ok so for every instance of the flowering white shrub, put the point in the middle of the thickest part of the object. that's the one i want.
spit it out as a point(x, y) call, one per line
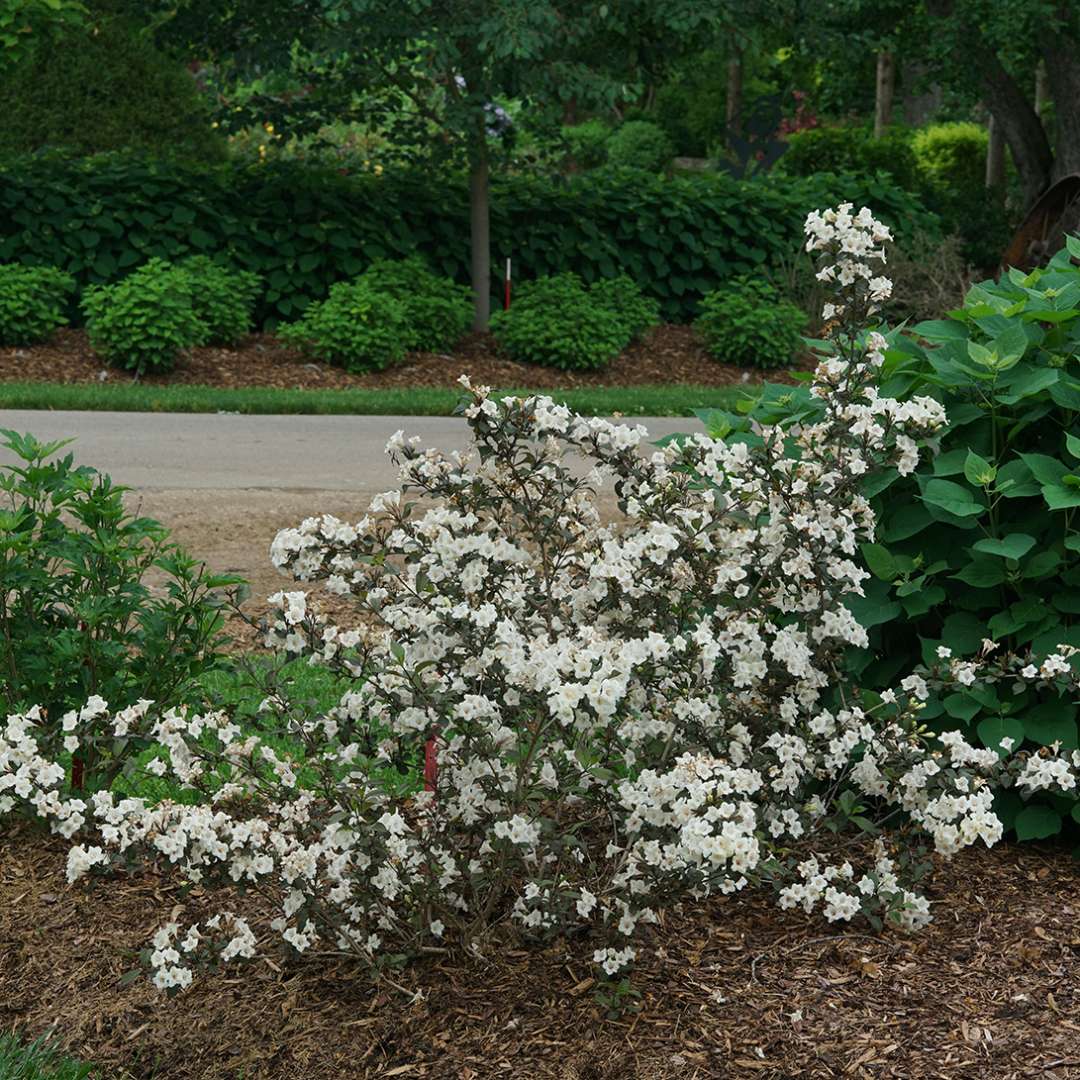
point(557, 721)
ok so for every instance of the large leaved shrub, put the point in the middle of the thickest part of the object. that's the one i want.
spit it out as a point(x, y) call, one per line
point(980, 543)
point(33, 302)
point(303, 229)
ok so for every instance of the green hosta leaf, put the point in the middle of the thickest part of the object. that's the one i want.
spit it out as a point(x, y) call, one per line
point(978, 470)
point(1014, 481)
point(950, 463)
point(963, 633)
point(1072, 444)
point(869, 611)
point(995, 728)
point(919, 603)
point(1037, 822)
point(1073, 542)
point(951, 498)
point(880, 562)
point(1013, 546)
point(906, 522)
point(941, 330)
point(1028, 382)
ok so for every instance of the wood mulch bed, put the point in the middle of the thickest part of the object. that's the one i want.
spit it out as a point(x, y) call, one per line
point(735, 989)
point(668, 355)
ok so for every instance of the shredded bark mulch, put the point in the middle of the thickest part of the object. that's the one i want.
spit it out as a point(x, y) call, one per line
point(668, 355)
point(734, 989)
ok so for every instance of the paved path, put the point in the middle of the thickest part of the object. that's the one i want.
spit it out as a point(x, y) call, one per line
point(205, 450)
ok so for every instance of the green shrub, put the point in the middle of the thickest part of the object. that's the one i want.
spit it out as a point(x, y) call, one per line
point(854, 150)
point(33, 302)
point(78, 617)
point(952, 155)
point(555, 322)
point(303, 228)
point(640, 144)
point(357, 327)
point(587, 143)
point(145, 321)
point(622, 296)
point(438, 312)
point(748, 323)
point(222, 297)
point(105, 87)
point(981, 541)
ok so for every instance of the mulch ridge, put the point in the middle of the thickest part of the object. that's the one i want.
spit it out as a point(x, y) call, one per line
point(734, 988)
point(668, 355)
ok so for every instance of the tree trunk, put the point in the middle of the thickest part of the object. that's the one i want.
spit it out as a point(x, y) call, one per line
point(886, 84)
point(1063, 78)
point(1041, 90)
point(1009, 105)
point(480, 232)
point(995, 157)
point(733, 111)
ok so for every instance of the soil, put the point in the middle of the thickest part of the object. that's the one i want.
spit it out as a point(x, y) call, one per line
point(734, 988)
point(668, 355)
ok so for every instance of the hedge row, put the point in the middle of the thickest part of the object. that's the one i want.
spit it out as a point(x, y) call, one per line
point(303, 229)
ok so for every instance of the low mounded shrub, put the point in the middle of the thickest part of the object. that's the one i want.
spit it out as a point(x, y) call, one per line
point(558, 322)
point(357, 327)
point(852, 150)
point(640, 144)
point(146, 320)
point(952, 155)
point(33, 302)
point(222, 297)
point(586, 143)
point(438, 312)
point(621, 295)
point(749, 323)
point(79, 620)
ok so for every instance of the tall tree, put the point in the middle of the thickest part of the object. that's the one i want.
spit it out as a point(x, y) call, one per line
point(454, 61)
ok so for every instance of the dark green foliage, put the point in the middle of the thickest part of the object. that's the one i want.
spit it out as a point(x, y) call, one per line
point(587, 143)
point(852, 149)
point(33, 302)
point(76, 616)
point(622, 296)
point(982, 542)
point(358, 327)
point(302, 229)
point(222, 297)
point(145, 321)
point(951, 155)
point(438, 311)
point(749, 323)
point(557, 322)
point(640, 144)
point(104, 87)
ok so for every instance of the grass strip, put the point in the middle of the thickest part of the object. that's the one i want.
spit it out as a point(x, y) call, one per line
point(37, 1061)
point(414, 401)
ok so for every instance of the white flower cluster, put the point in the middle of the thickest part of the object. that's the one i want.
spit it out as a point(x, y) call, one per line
point(609, 718)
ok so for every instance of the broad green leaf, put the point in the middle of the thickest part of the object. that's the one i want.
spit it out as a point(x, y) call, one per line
point(1027, 382)
point(982, 573)
point(995, 728)
point(1053, 721)
point(978, 471)
point(1014, 481)
point(1046, 470)
point(1013, 546)
point(1072, 444)
point(880, 562)
point(1059, 497)
point(961, 707)
point(1037, 822)
point(951, 497)
point(1041, 563)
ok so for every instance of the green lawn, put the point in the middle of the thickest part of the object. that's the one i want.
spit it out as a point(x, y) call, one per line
point(420, 401)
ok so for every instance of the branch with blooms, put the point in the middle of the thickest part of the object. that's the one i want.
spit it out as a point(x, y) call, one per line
point(626, 715)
